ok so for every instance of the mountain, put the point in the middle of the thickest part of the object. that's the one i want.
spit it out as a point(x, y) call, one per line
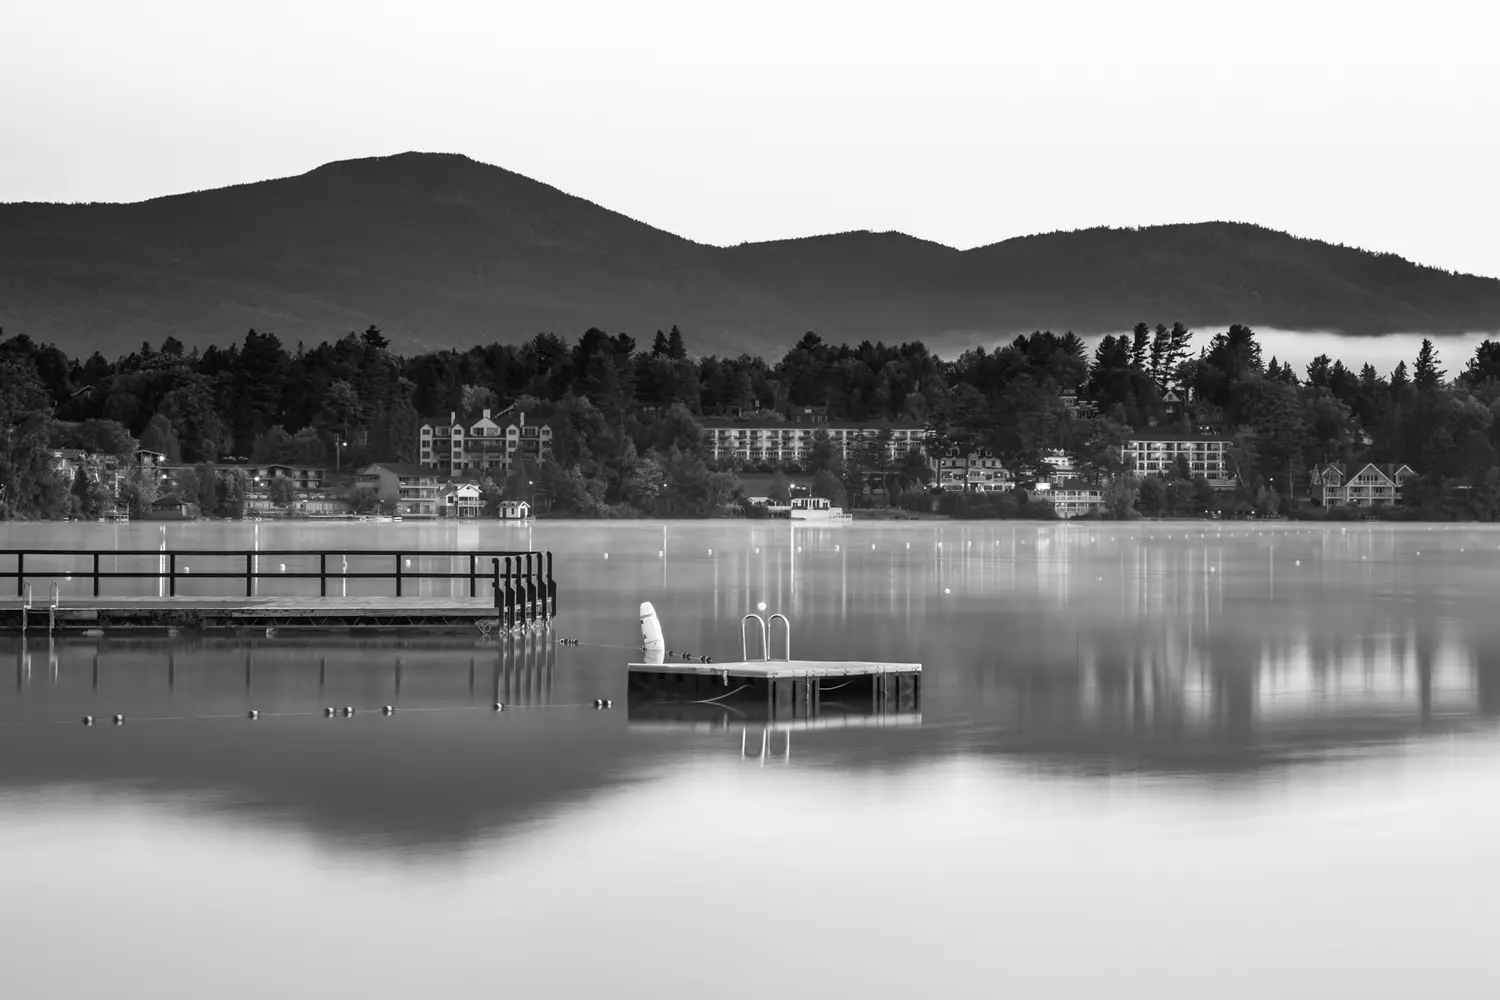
point(439, 250)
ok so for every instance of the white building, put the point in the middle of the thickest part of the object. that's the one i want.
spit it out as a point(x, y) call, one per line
point(486, 443)
point(765, 439)
point(514, 510)
point(461, 500)
point(1074, 498)
point(1151, 454)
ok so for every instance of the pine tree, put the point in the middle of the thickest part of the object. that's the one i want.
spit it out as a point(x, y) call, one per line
point(659, 345)
point(1399, 379)
point(1139, 346)
point(1427, 374)
point(676, 350)
point(1161, 346)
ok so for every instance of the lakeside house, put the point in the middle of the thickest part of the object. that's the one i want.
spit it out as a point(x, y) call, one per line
point(1372, 484)
point(408, 490)
point(1074, 498)
point(461, 500)
point(971, 472)
point(170, 507)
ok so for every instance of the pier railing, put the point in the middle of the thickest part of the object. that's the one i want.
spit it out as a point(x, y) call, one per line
point(171, 566)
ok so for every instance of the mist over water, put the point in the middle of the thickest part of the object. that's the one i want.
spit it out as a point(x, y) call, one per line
point(1163, 746)
point(1300, 347)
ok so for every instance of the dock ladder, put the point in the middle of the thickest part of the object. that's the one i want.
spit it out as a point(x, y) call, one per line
point(54, 602)
point(765, 637)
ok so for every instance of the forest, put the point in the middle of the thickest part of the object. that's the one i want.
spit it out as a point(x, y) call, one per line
point(626, 418)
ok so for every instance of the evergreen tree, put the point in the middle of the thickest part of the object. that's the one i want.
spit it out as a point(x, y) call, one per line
point(676, 349)
point(1426, 374)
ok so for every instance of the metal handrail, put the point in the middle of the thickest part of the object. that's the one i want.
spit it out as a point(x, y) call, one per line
point(765, 639)
point(251, 571)
point(788, 625)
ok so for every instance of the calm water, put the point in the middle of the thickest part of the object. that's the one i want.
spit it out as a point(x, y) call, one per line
point(1158, 760)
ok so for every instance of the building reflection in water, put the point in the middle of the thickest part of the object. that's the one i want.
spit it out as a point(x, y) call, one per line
point(1166, 630)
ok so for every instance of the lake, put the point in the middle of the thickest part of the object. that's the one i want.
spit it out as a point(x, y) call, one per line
point(1165, 759)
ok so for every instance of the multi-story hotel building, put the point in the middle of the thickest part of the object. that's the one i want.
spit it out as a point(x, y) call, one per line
point(769, 439)
point(483, 443)
point(1151, 454)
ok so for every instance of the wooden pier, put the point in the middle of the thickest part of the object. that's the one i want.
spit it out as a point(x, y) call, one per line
point(506, 590)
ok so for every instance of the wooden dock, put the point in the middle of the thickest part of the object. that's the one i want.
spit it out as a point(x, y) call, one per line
point(78, 614)
point(507, 590)
point(788, 688)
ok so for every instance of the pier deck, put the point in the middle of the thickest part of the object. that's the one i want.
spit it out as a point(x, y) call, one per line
point(79, 613)
point(779, 669)
point(788, 688)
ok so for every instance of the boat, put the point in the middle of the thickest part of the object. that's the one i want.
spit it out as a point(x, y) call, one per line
point(817, 509)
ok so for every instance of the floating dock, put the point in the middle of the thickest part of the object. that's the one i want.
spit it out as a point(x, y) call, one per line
point(787, 687)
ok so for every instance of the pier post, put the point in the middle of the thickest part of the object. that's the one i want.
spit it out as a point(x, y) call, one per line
point(473, 583)
point(398, 574)
point(508, 617)
point(528, 593)
point(21, 577)
point(249, 570)
point(96, 574)
point(551, 590)
point(322, 574)
point(172, 574)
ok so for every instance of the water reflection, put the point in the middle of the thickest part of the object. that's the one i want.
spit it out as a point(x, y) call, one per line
point(1205, 650)
point(1122, 729)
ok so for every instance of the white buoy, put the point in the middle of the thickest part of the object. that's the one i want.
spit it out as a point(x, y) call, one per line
point(606, 555)
point(328, 713)
point(947, 590)
point(119, 719)
point(653, 642)
point(283, 566)
point(761, 606)
point(499, 706)
point(348, 710)
point(88, 720)
point(387, 710)
point(253, 714)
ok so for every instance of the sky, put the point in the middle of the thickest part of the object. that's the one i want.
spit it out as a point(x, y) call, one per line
point(1365, 123)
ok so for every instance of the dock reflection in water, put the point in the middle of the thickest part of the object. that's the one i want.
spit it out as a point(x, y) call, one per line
point(1123, 731)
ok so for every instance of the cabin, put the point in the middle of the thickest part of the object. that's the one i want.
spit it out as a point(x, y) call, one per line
point(514, 510)
point(170, 507)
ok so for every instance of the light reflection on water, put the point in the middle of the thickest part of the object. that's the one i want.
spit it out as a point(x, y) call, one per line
point(1167, 747)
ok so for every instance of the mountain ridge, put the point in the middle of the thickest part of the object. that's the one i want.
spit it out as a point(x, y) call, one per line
point(442, 250)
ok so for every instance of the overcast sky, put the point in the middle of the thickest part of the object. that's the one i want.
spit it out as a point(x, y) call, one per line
point(1367, 123)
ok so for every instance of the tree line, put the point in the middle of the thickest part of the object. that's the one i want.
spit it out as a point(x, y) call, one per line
point(627, 419)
